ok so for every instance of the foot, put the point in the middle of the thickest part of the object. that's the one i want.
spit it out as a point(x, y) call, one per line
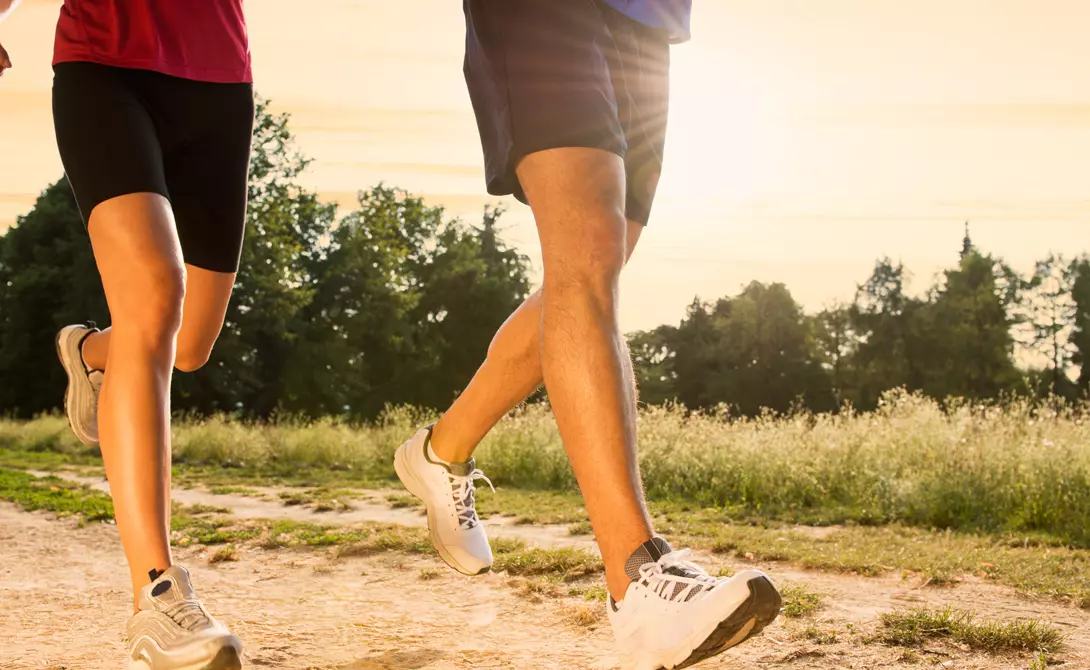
point(172, 630)
point(448, 493)
point(675, 615)
point(81, 397)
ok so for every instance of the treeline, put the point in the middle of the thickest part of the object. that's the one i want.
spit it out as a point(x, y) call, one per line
point(963, 338)
point(395, 303)
point(332, 314)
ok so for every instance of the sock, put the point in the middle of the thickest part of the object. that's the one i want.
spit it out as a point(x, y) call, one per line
point(82, 360)
point(461, 469)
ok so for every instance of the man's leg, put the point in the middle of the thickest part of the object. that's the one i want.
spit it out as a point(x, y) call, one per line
point(578, 199)
point(510, 373)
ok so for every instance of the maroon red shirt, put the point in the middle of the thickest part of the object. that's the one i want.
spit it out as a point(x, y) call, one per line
point(202, 40)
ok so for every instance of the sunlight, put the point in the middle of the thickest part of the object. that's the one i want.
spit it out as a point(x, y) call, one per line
point(725, 143)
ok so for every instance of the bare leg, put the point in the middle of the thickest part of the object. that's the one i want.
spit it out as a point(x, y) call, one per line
point(138, 255)
point(207, 294)
point(510, 373)
point(577, 196)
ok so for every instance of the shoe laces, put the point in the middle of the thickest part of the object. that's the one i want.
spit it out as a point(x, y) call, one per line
point(674, 578)
point(463, 490)
point(188, 614)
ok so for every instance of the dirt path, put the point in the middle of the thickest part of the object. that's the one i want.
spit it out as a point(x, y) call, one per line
point(371, 506)
point(65, 590)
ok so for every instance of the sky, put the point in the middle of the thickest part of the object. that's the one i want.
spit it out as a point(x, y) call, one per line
point(807, 139)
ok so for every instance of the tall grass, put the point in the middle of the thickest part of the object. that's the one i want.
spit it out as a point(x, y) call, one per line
point(971, 467)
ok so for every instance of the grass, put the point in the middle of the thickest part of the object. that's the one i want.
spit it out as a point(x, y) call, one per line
point(234, 490)
point(580, 528)
point(934, 494)
point(207, 509)
point(224, 554)
point(1030, 565)
point(566, 562)
point(321, 499)
point(595, 592)
point(403, 500)
point(966, 467)
point(55, 495)
point(798, 601)
point(817, 635)
point(912, 628)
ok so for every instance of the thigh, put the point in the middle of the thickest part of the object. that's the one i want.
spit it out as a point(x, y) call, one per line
point(138, 256)
point(107, 139)
point(207, 168)
point(538, 80)
point(577, 197)
point(207, 295)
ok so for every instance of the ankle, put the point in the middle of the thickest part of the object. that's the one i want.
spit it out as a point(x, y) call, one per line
point(617, 583)
point(89, 366)
point(446, 450)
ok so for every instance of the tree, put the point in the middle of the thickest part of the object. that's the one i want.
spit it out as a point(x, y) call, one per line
point(695, 362)
point(1080, 332)
point(754, 351)
point(653, 364)
point(890, 348)
point(836, 345)
point(406, 303)
point(48, 279)
point(968, 322)
point(470, 283)
point(1049, 312)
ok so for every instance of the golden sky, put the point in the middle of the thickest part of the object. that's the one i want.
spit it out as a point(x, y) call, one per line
point(807, 138)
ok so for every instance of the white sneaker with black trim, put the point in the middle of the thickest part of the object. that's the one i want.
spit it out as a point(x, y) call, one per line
point(173, 631)
point(447, 491)
point(675, 615)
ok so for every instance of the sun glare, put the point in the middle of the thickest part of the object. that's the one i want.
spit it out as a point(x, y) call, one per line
point(724, 142)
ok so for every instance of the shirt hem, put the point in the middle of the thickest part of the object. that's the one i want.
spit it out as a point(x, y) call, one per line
point(208, 75)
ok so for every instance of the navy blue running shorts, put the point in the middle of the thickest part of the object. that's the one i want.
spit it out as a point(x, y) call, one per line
point(547, 74)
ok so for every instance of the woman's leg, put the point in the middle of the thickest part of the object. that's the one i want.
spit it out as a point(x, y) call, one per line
point(207, 294)
point(140, 260)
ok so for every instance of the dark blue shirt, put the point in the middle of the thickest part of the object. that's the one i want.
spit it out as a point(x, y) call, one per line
point(670, 15)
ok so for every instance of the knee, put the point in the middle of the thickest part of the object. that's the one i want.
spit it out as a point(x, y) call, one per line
point(152, 313)
point(191, 358)
point(592, 269)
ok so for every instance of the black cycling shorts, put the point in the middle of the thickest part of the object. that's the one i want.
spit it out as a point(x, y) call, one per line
point(546, 74)
point(123, 131)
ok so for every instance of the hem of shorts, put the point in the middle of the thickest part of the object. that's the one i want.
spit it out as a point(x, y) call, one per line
point(516, 156)
point(206, 75)
point(120, 194)
point(212, 267)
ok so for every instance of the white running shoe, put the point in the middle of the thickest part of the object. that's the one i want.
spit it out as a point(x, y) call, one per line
point(675, 615)
point(447, 491)
point(173, 631)
point(81, 396)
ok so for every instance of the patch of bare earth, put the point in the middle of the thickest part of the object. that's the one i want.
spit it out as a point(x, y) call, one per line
point(65, 598)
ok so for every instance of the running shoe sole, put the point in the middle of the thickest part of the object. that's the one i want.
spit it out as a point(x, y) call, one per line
point(228, 658)
point(79, 392)
point(760, 609)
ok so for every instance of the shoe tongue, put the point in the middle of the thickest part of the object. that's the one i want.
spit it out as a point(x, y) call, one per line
point(648, 552)
point(173, 586)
